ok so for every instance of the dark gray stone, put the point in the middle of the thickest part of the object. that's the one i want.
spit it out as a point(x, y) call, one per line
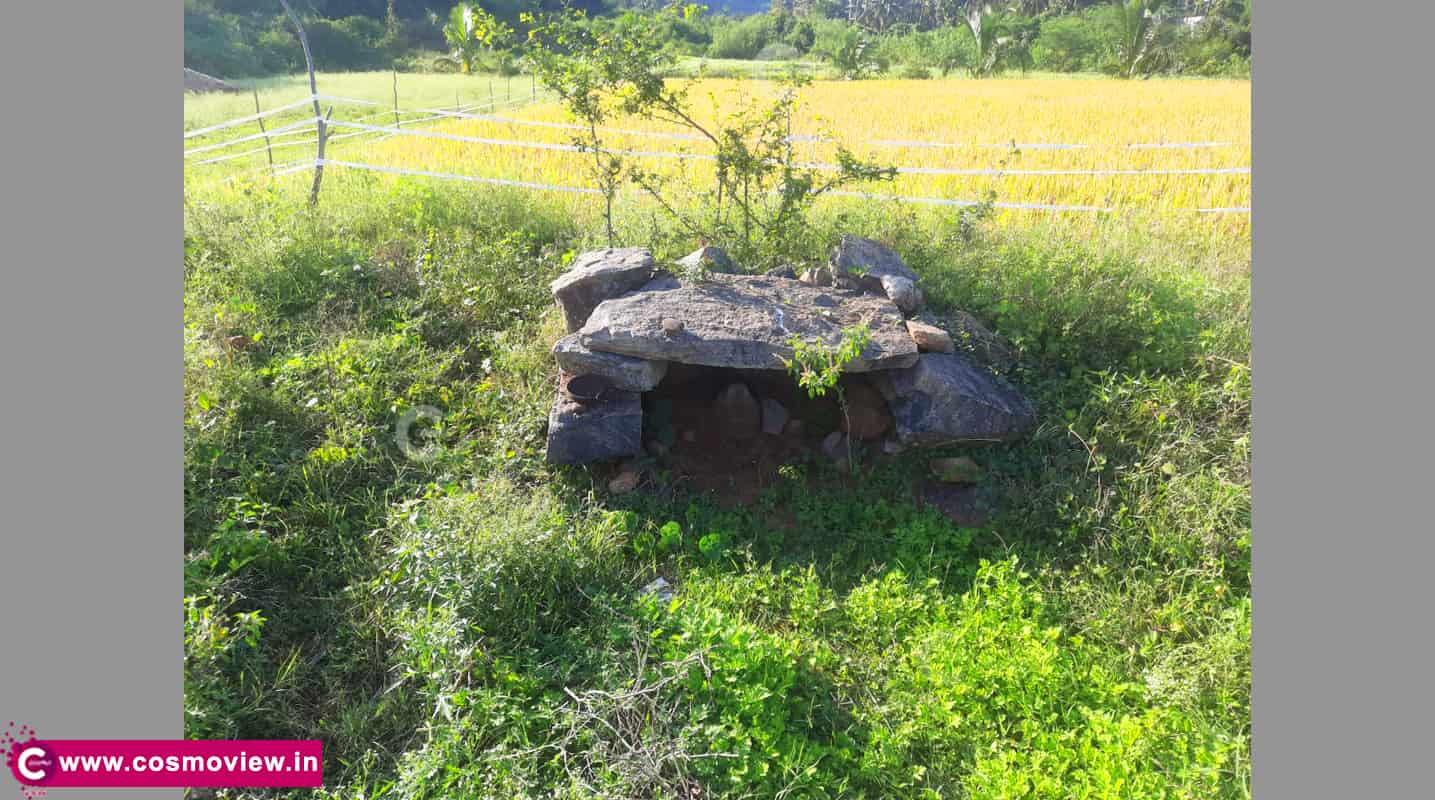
point(596, 276)
point(946, 399)
point(868, 262)
point(609, 428)
point(782, 272)
point(774, 416)
point(625, 372)
point(902, 292)
point(707, 259)
point(746, 322)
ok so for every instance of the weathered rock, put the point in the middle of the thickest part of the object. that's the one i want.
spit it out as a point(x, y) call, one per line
point(625, 372)
point(672, 327)
point(873, 267)
point(737, 412)
point(608, 428)
point(782, 272)
point(706, 259)
point(868, 262)
point(965, 506)
point(946, 399)
point(597, 276)
point(902, 292)
point(746, 322)
point(955, 470)
point(930, 338)
point(834, 446)
point(969, 335)
point(866, 417)
point(774, 416)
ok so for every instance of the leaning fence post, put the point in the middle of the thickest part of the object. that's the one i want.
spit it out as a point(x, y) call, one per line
point(314, 94)
point(267, 148)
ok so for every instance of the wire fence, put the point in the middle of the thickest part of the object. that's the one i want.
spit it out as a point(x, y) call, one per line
point(310, 130)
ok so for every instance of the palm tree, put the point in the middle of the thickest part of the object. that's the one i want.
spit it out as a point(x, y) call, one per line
point(1138, 28)
point(978, 17)
point(461, 33)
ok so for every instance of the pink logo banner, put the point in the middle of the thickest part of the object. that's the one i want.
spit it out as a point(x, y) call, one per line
point(159, 763)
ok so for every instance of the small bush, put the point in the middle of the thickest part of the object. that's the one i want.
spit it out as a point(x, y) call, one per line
point(742, 39)
point(778, 51)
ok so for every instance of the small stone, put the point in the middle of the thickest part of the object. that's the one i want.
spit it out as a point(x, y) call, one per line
point(707, 259)
point(659, 588)
point(835, 446)
point(774, 416)
point(866, 415)
point(955, 470)
point(625, 482)
point(672, 327)
point(736, 412)
point(892, 447)
point(903, 293)
point(817, 277)
point(782, 272)
point(930, 338)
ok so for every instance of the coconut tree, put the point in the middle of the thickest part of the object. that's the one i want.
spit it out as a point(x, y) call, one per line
point(1138, 46)
point(980, 17)
point(461, 33)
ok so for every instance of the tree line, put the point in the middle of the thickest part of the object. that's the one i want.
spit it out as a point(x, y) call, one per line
point(857, 38)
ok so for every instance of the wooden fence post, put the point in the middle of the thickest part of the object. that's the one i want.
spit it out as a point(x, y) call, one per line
point(267, 148)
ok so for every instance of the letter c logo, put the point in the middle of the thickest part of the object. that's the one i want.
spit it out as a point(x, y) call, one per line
point(29, 754)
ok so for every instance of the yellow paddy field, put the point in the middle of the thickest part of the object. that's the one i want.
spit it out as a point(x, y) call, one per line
point(1158, 146)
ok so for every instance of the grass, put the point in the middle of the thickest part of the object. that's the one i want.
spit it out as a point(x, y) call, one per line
point(470, 625)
